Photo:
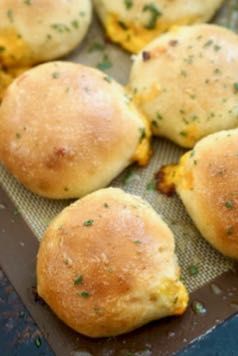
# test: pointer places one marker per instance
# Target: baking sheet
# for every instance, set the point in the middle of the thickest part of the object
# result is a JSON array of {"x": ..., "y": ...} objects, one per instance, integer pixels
[
  {"x": 191, "y": 248},
  {"x": 18, "y": 245}
]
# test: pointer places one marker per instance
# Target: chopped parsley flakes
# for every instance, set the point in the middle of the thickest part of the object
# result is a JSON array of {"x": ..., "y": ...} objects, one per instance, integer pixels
[
  {"x": 229, "y": 204},
  {"x": 154, "y": 15},
  {"x": 128, "y": 4},
  {"x": 105, "y": 63},
  {"x": 78, "y": 280},
  {"x": 236, "y": 87},
  {"x": 85, "y": 294},
  {"x": 55, "y": 75},
  {"x": 88, "y": 223}
]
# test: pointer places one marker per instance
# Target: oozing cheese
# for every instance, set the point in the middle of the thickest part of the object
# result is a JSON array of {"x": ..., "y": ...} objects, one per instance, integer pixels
[
  {"x": 134, "y": 36},
  {"x": 176, "y": 175},
  {"x": 15, "y": 57}
]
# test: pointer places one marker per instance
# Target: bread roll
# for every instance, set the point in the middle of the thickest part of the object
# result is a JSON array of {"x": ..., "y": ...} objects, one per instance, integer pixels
[
  {"x": 134, "y": 23},
  {"x": 107, "y": 265},
  {"x": 206, "y": 179},
  {"x": 186, "y": 83},
  {"x": 33, "y": 31},
  {"x": 67, "y": 130}
]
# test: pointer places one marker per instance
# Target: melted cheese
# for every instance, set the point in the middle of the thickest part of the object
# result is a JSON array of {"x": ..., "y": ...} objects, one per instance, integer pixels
[
  {"x": 176, "y": 295},
  {"x": 14, "y": 50},
  {"x": 144, "y": 152},
  {"x": 176, "y": 175},
  {"x": 133, "y": 36},
  {"x": 148, "y": 94},
  {"x": 5, "y": 80},
  {"x": 15, "y": 57}
]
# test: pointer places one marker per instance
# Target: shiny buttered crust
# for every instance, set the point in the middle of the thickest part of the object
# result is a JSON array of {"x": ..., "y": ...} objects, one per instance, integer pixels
[
  {"x": 206, "y": 180},
  {"x": 134, "y": 23},
  {"x": 107, "y": 265},
  {"x": 33, "y": 31},
  {"x": 186, "y": 82},
  {"x": 67, "y": 130}
]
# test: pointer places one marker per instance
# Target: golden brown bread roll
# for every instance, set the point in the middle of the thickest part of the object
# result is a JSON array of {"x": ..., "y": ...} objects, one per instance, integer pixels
[
  {"x": 107, "y": 265},
  {"x": 206, "y": 179},
  {"x": 67, "y": 130},
  {"x": 33, "y": 31},
  {"x": 186, "y": 82},
  {"x": 134, "y": 23}
]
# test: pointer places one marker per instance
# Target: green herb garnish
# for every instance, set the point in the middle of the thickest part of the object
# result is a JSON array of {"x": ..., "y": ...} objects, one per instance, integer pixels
[
  {"x": 151, "y": 186},
  {"x": 193, "y": 270},
  {"x": 38, "y": 342},
  {"x": 128, "y": 4},
  {"x": 107, "y": 78},
  {"x": 55, "y": 75},
  {"x": 10, "y": 15},
  {"x": 122, "y": 25},
  {"x": 75, "y": 24},
  {"x": 105, "y": 63},
  {"x": 229, "y": 204},
  {"x": 59, "y": 27},
  {"x": 208, "y": 43},
  {"x": 236, "y": 87},
  {"x": 128, "y": 174},
  {"x": 217, "y": 48},
  {"x": 154, "y": 15},
  {"x": 78, "y": 280},
  {"x": 96, "y": 46},
  {"x": 198, "y": 308},
  {"x": 88, "y": 223},
  {"x": 142, "y": 134},
  {"x": 159, "y": 116},
  {"x": 85, "y": 294}
]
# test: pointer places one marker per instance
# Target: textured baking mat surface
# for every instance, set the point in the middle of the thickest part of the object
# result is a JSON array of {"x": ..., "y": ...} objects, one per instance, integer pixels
[{"x": 192, "y": 249}]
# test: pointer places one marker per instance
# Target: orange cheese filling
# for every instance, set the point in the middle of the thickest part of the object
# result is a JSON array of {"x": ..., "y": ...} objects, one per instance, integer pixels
[
  {"x": 134, "y": 36},
  {"x": 15, "y": 57}
]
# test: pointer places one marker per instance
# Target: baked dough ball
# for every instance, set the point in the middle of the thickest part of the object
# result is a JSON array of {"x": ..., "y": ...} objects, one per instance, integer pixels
[
  {"x": 186, "y": 82},
  {"x": 107, "y": 265},
  {"x": 206, "y": 179},
  {"x": 33, "y": 31},
  {"x": 134, "y": 23},
  {"x": 67, "y": 130}
]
